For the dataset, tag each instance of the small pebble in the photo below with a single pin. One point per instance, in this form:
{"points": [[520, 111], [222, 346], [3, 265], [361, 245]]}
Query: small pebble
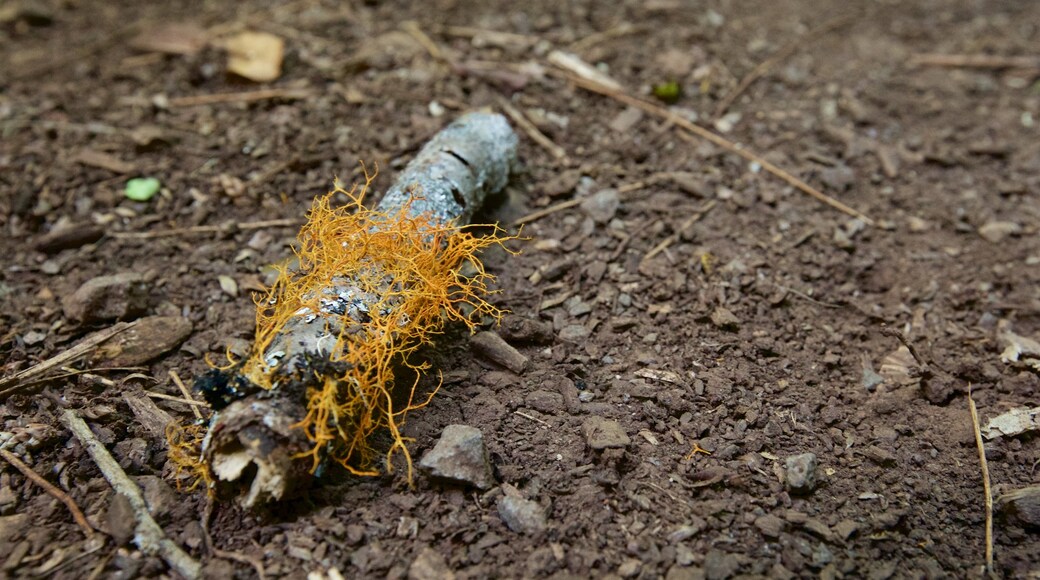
{"points": [[523, 516], [460, 456], [801, 473]]}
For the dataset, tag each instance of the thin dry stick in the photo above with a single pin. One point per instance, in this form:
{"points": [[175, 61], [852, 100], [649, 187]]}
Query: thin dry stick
{"points": [[537, 215], [171, 398], [975, 61], [184, 391], [17, 381], [207, 514], [53, 491], [780, 56], [148, 536], [707, 135], [595, 38], [279, 223], [413, 29], [682, 228], [240, 97], [537, 136], [985, 482], [531, 417]]}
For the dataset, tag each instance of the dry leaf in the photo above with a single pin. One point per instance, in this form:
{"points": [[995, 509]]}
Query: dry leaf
{"points": [[1012, 423], [228, 285], [172, 38], [256, 56], [1018, 349], [899, 367]]}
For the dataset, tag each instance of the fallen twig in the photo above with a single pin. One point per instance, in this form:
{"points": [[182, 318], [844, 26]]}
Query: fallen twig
{"points": [[537, 215], [184, 391], [207, 514], [17, 381], [985, 482], [984, 61], [680, 230], [528, 127], [240, 97], [77, 514], [683, 123], [784, 53], [148, 536], [165, 397], [531, 417], [623, 29]]}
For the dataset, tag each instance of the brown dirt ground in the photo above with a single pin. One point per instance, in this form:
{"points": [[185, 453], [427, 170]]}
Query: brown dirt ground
{"points": [[900, 488]]}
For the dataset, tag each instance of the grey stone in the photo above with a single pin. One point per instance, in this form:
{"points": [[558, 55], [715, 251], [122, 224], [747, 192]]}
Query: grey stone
{"points": [[724, 318], [430, 565], [521, 515], [770, 525], [460, 456], [120, 296], [845, 529], [719, 565], [601, 433], [801, 473], [602, 205]]}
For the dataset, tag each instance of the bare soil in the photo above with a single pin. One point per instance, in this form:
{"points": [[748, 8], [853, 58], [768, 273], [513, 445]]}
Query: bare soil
{"points": [[756, 335]]}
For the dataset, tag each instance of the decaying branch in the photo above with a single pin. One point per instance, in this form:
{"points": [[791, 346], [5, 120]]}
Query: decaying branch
{"points": [[280, 413]]}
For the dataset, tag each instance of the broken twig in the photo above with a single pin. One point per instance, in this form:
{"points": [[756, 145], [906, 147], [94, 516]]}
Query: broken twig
{"points": [[606, 90], [985, 482], [148, 536], [77, 514], [85, 347], [537, 136]]}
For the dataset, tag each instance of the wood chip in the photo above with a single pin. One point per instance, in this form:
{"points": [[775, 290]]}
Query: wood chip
{"points": [[148, 339], [149, 415], [256, 56], [92, 158], [181, 38], [498, 351]]}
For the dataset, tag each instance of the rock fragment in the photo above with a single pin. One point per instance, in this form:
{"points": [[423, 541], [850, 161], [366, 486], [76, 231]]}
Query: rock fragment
{"points": [[491, 346], [430, 565], [602, 205], [1024, 504], [460, 456], [770, 525], [994, 232], [801, 473], [724, 318], [119, 296], [845, 529], [523, 516], [521, 330], [601, 433], [719, 565]]}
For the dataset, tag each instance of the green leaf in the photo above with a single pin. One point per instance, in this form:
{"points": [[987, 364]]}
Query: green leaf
{"points": [[142, 188], [668, 92]]}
